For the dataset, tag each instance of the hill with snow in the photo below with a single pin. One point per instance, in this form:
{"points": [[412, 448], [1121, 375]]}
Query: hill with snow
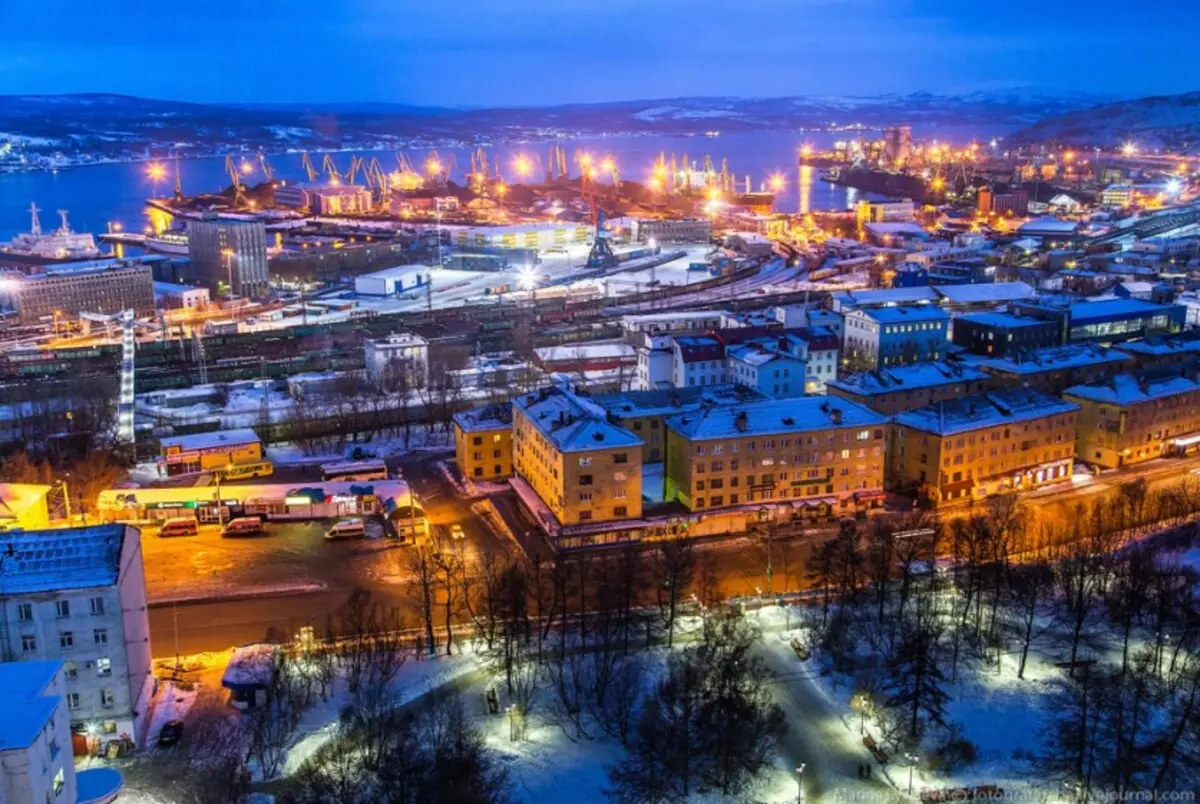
{"points": [[1170, 122]]}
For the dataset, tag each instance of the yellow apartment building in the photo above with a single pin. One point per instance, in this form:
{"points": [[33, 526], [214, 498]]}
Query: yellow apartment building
{"points": [[483, 442], [1134, 418]]}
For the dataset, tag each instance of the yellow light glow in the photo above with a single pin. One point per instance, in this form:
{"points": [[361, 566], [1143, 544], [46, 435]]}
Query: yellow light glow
{"points": [[1069, 157], [939, 183], [806, 150], [777, 182], [585, 159], [607, 165], [713, 194], [1129, 149], [156, 171], [501, 188], [246, 167], [522, 165], [433, 167], [654, 183]]}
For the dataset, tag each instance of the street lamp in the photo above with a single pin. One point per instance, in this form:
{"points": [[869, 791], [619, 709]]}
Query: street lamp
{"points": [[512, 731], [912, 763], [800, 782]]}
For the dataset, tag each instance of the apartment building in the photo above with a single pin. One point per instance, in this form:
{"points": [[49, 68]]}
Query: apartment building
{"points": [[400, 361], [483, 442], [895, 336], [230, 252], [1133, 418], [78, 596], [811, 455], [583, 469], [654, 361], [36, 763], [977, 446], [892, 390], [697, 360], [64, 291], [1054, 369]]}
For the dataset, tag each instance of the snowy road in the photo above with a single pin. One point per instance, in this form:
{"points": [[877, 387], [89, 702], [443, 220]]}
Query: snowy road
{"points": [[817, 737]]}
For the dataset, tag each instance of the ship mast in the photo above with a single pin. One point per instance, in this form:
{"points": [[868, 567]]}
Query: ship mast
{"points": [[35, 226], [66, 228]]}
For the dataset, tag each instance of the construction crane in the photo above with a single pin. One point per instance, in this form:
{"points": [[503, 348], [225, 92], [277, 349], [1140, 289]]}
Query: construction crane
{"points": [[356, 164], [268, 174], [306, 163], [330, 169], [235, 176]]}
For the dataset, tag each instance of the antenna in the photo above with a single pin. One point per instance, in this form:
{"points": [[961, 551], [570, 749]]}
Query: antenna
{"points": [[66, 228], [35, 225]]}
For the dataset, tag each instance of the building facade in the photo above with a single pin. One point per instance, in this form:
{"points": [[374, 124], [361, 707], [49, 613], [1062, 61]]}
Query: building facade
{"points": [[977, 446], [36, 763], [1001, 334], [230, 252], [697, 360], [202, 452], [672, 230], [891, 391], [399, 361], [1134, 418], [483, 445], [895, 336], [813, 454], [78, 596], [105, 287], [1055, 369], [584, 470]]}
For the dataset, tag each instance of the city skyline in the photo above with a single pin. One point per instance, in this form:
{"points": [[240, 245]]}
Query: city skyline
{"points": [[481, 53]]}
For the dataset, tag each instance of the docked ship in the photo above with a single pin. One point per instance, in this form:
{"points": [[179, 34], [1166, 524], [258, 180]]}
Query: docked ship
{"points": [[61, 245], [175, 242]]}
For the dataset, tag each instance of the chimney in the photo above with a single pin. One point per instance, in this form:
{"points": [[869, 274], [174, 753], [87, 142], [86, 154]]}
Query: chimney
{"points": [[836, 415], [741, 421]]}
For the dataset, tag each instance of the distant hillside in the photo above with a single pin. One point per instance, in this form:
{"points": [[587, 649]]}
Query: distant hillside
{"points": [[118, 126], [1170, 122]]}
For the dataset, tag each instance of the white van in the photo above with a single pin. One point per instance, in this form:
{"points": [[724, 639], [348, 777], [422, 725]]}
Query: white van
{"points": [[244, 526], [179, 526], [347, 529]]}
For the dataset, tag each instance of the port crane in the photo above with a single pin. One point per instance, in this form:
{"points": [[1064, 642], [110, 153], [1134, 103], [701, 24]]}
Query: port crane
{"points": [[235, 176], [307, 164], [331, 170], [178, 180], [268, 174], [356, 164]]}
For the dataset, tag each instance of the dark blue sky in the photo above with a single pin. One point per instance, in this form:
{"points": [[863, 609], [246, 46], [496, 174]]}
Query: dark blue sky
{"points": [[511, 52]]}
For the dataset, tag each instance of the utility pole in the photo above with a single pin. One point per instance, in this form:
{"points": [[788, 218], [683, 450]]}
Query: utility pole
{"points": [[66, 499]]}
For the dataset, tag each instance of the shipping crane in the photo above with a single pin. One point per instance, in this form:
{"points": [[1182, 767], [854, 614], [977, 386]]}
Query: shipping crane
{"points": [[268, 174], [235, 176], [178, 180], [356, 164], [331, 170], [306, 163]]}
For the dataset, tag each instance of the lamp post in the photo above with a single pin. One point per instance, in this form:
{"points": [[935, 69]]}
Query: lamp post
{"points": [[800, 783], [512, 731], [912, 763]]}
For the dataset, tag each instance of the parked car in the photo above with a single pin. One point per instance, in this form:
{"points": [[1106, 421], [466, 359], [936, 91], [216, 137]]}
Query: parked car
{"points": [[456, 531], [179, 526], [347, 529], [170, 733], [244, 526]]}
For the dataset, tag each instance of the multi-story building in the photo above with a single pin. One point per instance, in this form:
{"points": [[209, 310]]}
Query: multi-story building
{"points": [[1001, 334], [1134, 418], [654, 361], [895, 336], [325, 199], [583, 469], [973, 447], [1117, 195], [884, 212], [230, 252], [65, 290], [991, 202], [1054, 369], [1106, 320], [203, 452], [892, 390], [963, 271], [36, 762], [401, 360], [697, 360], [1178, 350], [789, 364], [814, 453], [677, 321], [483, 442], [672, 230], [78, 596]]}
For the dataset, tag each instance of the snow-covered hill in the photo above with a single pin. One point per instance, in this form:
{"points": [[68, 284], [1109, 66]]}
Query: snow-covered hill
{"points": [[1170, 122]]}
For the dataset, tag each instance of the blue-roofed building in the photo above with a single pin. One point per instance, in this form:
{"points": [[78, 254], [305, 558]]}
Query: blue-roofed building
{"points": [[895, 336], [1174, 350], [1106, 320], [1053, 369], [78, 595], [999, 334], [1133, 418], [970, 448], [892, 390], [583, 467], [810, 456], [36, 761]]}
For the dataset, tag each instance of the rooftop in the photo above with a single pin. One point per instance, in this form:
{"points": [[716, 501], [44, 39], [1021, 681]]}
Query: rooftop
{"points": [[897, 315], [15, 498], [983, 410], [906, 378], [1004, 320], [567, 353], [985, 292], [630, 404], [1048, 224], [773, 416], [53, 560], [1162, 346], [1131, 389], [27, 709], [213, 440], [488, 417], [1099, 310], [700, 347], [572, 423], [1052, 358]]}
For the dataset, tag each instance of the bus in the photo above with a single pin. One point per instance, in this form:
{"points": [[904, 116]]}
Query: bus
{"points": [[356, 471], [243, 471], [1184, 446]]}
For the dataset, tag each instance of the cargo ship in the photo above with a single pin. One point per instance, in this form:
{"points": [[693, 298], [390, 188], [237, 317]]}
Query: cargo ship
{"points": [[36, 247]]}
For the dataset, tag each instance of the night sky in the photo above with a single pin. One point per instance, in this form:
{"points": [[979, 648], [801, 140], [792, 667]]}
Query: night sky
{"points": [[518, 52]]}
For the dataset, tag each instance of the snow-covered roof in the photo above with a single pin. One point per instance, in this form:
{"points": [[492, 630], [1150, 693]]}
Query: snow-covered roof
{"points": [[1053, 358], [680, 315], [571, 423], [906, 378], [1048, 224], [773, 416], [213, 440], [488, 417], [894, 315], [1004, 320], [1137, 287], [1085, 311], [1130, 389], [985, 292], [53, 560], [567, 353], [896, 228], [983, 410], [27, 709], [1161, 346], [250, 665], [865, 298], [16, 498], [669, 401]]}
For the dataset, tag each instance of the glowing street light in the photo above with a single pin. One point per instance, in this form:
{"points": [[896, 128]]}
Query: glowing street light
{"points": [[433, 166], [246, 168], [522, 165], [800, 782], [777, 182], [608, 165], [654, 183], [527, 278], [806, 150], [1129, 149], [156, 172], [501, 189]]}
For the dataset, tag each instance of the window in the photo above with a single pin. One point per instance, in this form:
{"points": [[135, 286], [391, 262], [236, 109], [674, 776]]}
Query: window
{"points": [[62, 608], [718, 500], [585, 461], [108, 698], [478, 472], [585, 496], [619, 510], [699, 502], [585, 480], [477, 455], [733, 498], [477, 441], [585, 515], [28, 643], [24, 612], [66, 640], [97, 605], [70, 670], [699, 485], [619, 494], [72, 700], [100, 636], [496, 438], [104, 666], [620, 457]]}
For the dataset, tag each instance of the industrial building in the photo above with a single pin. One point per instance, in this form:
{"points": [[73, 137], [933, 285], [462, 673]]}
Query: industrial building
{"points": [[325, 199], [230, 252], [972, 447], [540, 236], [1133, 418], [672, 230], [105, 287]]}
